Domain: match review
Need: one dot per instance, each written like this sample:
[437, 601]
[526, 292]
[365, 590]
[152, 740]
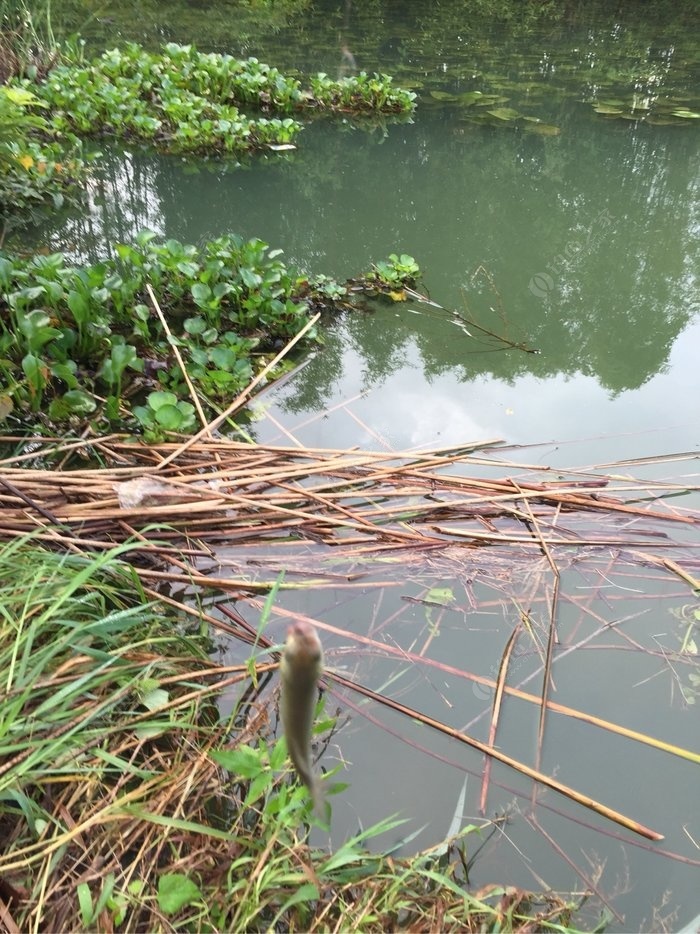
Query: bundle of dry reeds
[206, 495]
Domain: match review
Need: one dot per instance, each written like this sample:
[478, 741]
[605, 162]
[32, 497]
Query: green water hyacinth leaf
[36, 329]
[158, 399]
[201, 294]
[223, 357]
[175, 891]
[169, 417]
[195, 325]
[73, 402]
[251, 278]
[35, 372]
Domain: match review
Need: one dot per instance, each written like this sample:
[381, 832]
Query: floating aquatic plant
[78, 342]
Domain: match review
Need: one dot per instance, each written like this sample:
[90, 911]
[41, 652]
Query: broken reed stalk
[551, 630]
[495, 753]
[256, 487]
[496, 712]
[178, 356]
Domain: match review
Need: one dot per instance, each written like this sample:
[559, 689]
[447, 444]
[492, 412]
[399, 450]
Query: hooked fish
[300, 669]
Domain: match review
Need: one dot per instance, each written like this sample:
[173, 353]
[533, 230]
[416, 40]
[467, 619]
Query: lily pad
[488, 100]
[443, 96]
[542, 129]
[662, 120]
[504, 113]
[470, 97]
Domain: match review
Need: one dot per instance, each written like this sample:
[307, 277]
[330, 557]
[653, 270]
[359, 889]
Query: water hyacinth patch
[81, 343]
[183, 100]
[34, 172]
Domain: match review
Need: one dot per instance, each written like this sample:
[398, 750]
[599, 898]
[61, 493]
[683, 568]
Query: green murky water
[578, 237]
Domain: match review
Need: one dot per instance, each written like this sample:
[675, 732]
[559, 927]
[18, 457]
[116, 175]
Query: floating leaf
[488, 100]
[443, 96]
[154, 699]
[442, 595]
[470, 97]
[687, 114]
[663, 121]
[543, 129]
[607, 109]
[504, 113]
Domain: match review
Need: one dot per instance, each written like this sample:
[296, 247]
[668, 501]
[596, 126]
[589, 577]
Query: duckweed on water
[81, 342]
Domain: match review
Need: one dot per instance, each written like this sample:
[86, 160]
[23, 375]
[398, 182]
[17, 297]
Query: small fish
[300, 669]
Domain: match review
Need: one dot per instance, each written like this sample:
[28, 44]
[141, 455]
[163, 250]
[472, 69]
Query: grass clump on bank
[81, 343]
[128, 803]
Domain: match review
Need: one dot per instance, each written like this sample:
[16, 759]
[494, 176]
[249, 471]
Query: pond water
[576, 237]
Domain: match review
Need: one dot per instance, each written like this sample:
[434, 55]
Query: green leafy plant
[183, 100]
[396, 270]
[189, 821]
[34, 172]
[162, 413]
[122, 356]
[67, 332]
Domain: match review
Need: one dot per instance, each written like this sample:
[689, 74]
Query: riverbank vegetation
[81, 343]
[128, 803]
[143, 785]
[179, 100]
[92, 344]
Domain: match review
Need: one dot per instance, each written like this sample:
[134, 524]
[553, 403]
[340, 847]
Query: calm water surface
[579, 241]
